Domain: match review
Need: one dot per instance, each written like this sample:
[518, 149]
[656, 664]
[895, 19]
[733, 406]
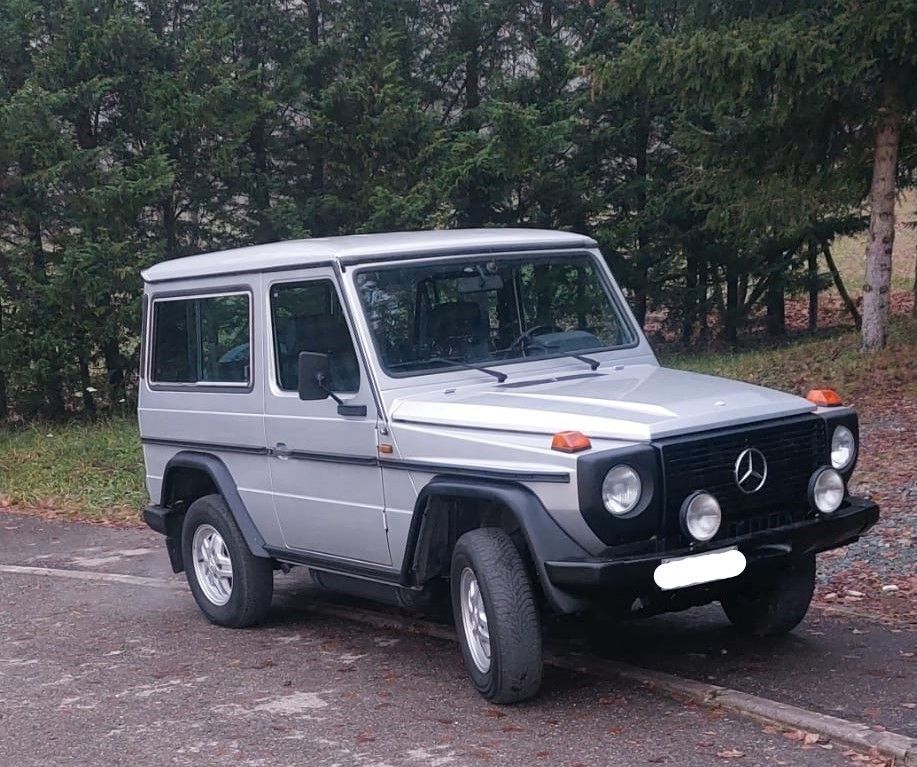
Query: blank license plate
[699, 568]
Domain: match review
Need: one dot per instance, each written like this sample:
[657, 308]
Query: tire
[513, 670]
[251, 584]
[775, 606]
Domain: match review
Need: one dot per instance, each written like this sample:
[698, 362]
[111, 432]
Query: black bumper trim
[822, 534]
[157, 518]
[166, 522]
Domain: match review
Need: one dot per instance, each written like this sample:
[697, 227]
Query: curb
[900, 748]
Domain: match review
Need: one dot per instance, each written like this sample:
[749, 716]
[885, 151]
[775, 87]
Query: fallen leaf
[730, 753]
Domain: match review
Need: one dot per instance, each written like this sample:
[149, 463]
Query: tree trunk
[877, 284]
[260, 192]
[839, 284]
[914, 305]
[170, 225]
[116, 366]
[689, 309]
[641, 157]
[731, 320]
[776, 307]
[89, 401]
[477, 212]
[547, 16]
[812, 280]
[316, 83]
[703, 306]
[4, 401]
[53, 384]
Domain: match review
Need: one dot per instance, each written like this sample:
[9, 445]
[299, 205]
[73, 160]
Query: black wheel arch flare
[545, 539]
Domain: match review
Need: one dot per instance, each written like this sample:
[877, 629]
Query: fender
[546, 540]
[225, 485]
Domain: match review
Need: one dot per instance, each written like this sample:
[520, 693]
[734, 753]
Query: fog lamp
[701, 516]
[826, 490]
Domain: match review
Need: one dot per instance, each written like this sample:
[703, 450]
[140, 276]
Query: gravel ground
[878, 575]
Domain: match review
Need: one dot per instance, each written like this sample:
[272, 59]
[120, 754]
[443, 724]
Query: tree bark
[839, 283]
[641, 156]
[877, 285]
[316, 84]
[4, 401]
[689, 309]
[477, 212]
[812, 280]
[733, 303]
[703, 306]
[914, 305]
[776, 307]
[89, 401]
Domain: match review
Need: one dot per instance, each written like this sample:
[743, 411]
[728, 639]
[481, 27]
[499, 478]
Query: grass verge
[820, 360]
[88, 471]
[94, 471]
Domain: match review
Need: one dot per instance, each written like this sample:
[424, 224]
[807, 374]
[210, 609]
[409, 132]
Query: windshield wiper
[594, 364]
[501, 377]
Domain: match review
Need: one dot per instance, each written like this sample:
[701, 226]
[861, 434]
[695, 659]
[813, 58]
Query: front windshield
[487, 311]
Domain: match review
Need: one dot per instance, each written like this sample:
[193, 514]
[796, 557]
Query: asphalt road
[112, 673]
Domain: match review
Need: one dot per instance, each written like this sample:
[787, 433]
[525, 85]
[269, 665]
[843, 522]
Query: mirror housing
[314, 375]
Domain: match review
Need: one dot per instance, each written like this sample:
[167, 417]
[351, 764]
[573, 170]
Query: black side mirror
[314, 375]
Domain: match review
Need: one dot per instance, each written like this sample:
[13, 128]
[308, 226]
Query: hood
[634, 402]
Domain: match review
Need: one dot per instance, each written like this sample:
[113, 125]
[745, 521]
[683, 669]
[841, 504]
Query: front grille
[793, 448]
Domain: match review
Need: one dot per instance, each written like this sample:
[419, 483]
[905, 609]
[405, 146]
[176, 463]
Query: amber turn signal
[824, 397]
[570, 442]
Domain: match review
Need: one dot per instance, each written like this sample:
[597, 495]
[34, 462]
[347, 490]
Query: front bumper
[634, 573]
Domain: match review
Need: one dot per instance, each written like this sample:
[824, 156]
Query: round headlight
[843, 447]
[621, 489]
[827, 490]
[701, 516]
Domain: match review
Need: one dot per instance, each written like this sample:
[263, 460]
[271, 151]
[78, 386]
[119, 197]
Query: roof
[362, 247]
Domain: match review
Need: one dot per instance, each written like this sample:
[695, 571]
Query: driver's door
[326, 481]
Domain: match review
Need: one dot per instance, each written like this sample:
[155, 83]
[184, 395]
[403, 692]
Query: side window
[202, 340]
[307, 317]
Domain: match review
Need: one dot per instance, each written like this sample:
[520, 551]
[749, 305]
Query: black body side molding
[545, 538]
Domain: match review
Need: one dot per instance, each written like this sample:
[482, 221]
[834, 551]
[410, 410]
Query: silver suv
[471, 416]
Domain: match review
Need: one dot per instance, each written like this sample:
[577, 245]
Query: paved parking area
[114, 673]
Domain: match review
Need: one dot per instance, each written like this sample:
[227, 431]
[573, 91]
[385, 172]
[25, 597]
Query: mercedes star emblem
[750, 470]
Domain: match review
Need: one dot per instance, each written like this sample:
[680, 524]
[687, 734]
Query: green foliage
[708, 147]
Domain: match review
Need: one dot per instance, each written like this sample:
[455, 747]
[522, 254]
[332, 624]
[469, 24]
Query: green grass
[89, 471]
[820, 360]
[850, 252]
[94, 471]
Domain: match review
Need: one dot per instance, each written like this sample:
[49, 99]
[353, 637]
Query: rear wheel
[775, 605]
[495, 616]
[231, 586]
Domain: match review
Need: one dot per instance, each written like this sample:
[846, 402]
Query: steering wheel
[535, 331]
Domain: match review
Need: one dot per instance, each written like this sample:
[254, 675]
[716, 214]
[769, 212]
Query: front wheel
[231, 586]
[495, 616]
[776, 605]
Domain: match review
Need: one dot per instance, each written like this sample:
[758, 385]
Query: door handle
[282, 451]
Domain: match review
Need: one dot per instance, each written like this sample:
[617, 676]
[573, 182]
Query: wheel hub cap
[212, 564]
[474, 620]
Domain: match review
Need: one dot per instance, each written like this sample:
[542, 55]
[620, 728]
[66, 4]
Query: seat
[457, 329]
[325, 334]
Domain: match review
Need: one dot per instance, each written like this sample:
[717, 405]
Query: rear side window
[204, 340]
